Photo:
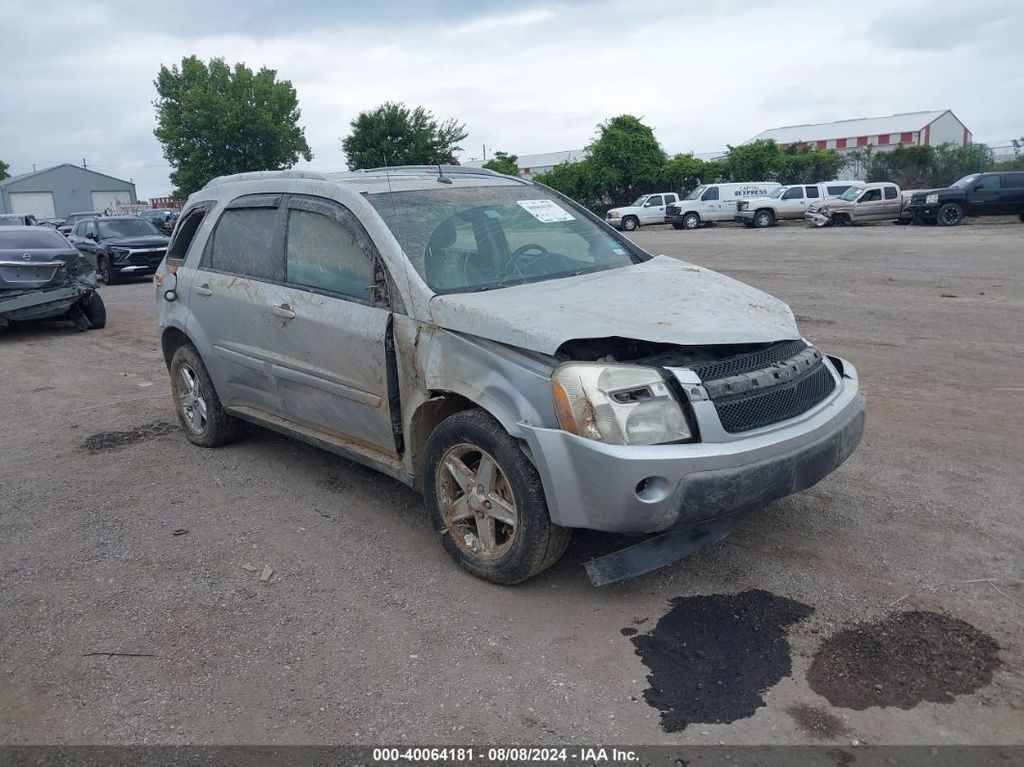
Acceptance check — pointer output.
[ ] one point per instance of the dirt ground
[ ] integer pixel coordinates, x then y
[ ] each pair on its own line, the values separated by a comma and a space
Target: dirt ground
132, 607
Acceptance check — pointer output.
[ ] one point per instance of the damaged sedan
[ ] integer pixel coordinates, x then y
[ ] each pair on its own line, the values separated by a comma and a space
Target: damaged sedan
42, 276
494, 345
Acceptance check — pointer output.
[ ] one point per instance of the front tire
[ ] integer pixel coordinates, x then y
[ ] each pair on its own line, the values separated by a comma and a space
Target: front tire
204, 419
105, 271
485, 499
950, 214
630, 224
763, 219
691, 221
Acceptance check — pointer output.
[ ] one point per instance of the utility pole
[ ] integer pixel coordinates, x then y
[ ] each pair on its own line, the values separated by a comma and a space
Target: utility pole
84, 165
485, 152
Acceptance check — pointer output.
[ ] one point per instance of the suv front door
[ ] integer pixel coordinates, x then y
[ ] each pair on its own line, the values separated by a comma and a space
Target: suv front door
333, 363
792, 204
985, 197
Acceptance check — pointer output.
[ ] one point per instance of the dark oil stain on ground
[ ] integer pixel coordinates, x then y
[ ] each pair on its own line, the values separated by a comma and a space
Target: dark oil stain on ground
817, 722
903, 660
712, 657
111, 440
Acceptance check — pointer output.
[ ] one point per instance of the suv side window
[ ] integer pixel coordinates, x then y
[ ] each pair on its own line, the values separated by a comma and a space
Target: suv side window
987, 183
91, 228
793, 193
710, 194
246, 240
812, 191
328, 249
872, 195
890, 193
837, 190
653, 201
1013, 181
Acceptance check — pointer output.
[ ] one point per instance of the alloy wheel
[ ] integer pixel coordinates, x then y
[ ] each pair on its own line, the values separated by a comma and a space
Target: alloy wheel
192, 399
476, 502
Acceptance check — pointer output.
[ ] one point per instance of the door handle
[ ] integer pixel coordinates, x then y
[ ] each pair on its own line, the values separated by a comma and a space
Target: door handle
283, 311
204, 290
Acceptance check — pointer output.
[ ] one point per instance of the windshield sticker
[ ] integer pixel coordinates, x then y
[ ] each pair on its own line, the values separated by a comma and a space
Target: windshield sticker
545, 211
492, 214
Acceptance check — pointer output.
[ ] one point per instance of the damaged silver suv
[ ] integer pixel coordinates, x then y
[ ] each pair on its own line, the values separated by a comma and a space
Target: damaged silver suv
493, 344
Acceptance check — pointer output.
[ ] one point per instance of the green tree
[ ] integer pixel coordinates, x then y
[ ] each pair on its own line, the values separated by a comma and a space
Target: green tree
764, 160
503, 162
625, 159
684, 172
214, 120
393, 134
4, 170
912, 167
575, 180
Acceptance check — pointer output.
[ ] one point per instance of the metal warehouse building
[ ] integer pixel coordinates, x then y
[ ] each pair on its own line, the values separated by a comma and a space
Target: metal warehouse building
913, 128
55, 192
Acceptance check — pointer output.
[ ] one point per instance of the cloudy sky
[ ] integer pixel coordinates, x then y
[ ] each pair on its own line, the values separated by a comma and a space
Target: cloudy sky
526, 77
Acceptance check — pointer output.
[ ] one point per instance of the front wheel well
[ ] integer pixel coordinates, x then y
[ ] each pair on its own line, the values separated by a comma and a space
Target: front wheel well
441, 405
171, 340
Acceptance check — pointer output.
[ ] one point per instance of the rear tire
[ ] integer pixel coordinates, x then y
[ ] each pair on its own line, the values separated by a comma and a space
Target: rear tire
763, 219
504, 533
94, 310
691, 221
630, 224
950, 214
196, 402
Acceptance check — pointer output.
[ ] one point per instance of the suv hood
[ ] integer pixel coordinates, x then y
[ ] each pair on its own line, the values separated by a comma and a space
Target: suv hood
146, 241
663, 300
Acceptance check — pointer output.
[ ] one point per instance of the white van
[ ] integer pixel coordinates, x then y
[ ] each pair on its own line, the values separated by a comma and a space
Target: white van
714, 202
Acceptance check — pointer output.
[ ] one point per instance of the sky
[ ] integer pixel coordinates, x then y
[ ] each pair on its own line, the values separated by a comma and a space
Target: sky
524, 77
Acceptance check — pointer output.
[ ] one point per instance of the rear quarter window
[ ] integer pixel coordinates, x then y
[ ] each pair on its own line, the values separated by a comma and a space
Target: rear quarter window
1013, 180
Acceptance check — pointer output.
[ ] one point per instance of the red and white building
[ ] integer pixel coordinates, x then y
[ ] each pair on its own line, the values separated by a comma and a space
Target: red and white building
878, 133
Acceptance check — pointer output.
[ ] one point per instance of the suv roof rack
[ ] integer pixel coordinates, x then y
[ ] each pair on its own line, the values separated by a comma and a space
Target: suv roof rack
449, 170
259, 174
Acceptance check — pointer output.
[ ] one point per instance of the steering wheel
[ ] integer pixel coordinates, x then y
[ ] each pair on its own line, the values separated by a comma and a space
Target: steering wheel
522, 250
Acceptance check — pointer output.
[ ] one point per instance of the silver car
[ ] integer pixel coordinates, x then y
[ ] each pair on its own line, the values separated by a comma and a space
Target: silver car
496, 346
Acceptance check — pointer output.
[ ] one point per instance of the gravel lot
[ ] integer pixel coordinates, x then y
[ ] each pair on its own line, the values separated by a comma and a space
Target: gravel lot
367, 633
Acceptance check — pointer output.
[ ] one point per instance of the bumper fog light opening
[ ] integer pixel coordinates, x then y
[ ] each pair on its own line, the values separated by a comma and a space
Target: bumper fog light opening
653, 489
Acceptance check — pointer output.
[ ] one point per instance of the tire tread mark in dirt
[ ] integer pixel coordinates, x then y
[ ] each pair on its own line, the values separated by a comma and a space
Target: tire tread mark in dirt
111, 440
903, 660
712, 657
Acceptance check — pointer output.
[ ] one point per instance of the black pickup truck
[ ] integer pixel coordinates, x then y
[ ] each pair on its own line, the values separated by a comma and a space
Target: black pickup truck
979, 194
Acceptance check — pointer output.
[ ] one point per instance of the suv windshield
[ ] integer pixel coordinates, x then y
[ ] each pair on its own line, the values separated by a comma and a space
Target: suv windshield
479, 238
966, 181
777, 193
638, 202
850, 194
125, 227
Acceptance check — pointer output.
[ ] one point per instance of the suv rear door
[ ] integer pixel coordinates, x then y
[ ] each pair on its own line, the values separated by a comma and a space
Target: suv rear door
985, 197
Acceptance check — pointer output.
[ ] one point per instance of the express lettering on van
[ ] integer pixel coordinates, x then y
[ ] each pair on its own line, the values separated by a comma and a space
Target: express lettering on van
751, 191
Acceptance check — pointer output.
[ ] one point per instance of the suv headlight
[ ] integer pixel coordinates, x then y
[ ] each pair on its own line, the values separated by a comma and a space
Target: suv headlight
931, 199
617, 404
742, 205
119, 254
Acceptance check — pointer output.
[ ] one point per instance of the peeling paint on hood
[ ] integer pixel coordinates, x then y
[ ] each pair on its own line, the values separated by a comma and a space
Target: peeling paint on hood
663, 300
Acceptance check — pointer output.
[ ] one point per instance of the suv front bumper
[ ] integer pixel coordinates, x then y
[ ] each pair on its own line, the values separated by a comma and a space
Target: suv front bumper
653, 488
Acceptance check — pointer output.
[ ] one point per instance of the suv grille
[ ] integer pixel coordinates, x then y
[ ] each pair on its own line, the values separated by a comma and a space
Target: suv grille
745, 363
803, 382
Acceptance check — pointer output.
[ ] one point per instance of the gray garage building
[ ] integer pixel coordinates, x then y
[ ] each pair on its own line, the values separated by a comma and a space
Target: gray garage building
55, 192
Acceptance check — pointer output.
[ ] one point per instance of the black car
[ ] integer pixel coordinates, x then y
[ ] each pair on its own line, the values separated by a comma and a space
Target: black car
74, 218
162, 218
124, 246
43, 277
979, 194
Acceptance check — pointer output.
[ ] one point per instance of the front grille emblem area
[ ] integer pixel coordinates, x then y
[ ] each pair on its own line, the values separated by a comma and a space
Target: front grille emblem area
27, 256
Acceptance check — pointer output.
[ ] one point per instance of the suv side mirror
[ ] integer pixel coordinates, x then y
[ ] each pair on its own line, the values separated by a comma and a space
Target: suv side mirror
91, 236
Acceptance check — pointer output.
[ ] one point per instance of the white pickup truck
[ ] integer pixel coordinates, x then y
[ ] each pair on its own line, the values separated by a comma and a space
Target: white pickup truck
646, 209
788, 202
